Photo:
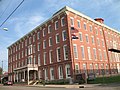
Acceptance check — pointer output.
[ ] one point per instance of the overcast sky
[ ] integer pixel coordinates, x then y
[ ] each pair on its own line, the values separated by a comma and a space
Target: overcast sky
33, 12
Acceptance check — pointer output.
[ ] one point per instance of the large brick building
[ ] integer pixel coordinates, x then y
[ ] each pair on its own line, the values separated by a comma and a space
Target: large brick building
66, 44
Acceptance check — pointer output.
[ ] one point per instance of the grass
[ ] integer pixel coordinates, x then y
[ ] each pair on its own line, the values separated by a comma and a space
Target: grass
106, 80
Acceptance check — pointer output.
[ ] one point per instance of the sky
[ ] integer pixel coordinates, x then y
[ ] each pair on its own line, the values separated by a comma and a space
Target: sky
33, 12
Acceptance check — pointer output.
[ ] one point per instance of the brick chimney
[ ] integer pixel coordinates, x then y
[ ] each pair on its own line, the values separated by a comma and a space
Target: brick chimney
99, 20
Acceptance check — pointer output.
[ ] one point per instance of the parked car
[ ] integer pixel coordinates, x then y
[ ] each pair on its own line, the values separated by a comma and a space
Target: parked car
8, 83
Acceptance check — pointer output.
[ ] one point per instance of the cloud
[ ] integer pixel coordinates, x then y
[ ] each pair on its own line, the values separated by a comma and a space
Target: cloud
23, 25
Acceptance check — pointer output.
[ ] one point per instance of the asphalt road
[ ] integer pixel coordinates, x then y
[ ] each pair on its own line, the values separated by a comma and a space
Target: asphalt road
42, 88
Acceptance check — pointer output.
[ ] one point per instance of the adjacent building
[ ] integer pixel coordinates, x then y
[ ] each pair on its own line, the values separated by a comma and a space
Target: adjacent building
65, 45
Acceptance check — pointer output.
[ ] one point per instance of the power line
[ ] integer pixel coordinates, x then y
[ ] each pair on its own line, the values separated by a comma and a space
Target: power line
12, 13
5, 9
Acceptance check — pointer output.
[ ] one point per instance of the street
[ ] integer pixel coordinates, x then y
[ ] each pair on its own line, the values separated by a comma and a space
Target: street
48, 88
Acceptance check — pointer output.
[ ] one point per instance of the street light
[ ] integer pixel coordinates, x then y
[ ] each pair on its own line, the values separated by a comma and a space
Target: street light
6, 29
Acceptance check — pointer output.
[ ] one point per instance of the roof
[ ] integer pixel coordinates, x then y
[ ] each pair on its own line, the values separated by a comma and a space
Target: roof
66, 8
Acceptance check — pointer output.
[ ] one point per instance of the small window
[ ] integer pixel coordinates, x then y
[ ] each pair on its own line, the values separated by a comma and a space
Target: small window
49, 29
86, 36
80, 35
50, 41
64, 35
72, 21
44, 32
90, 28
78, 23
57, 38
56, 25
85, 27
62, 21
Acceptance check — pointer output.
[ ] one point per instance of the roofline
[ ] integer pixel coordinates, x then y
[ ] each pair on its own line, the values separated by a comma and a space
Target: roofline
66, 8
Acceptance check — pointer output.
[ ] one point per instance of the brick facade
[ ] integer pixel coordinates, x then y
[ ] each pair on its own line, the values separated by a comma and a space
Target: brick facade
49, 52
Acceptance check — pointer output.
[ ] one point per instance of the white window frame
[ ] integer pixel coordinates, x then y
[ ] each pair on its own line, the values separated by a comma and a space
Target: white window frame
65, 46
49, 29
50, 41
72, 21
81, 38
50, 55
83, 52
57, 38
78, 24
58, 58
63, 35
89, 53
62, 22
60, 71
75, 52
56, 26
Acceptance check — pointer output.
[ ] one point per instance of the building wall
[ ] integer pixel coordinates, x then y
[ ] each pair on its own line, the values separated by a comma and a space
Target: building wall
99, 38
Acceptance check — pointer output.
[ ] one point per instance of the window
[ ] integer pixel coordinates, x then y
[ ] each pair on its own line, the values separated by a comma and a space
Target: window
96, 68
78, 23
92, 37
34, 59
46, 74
100, 54
44, 32
58, 54
98, 41
82, 52
49, 29
33, 38
102, 42
38, 35
96, 31
25, 44
85, 27
34, 48
57, 38
62, 21
100, 32
14, 48
26, 52
90, 28
64, 35
38, 46
50, 41
76, 68
89, 53
51, 56
80, 35
67, 68
91, 68
75, 51
45, 58
65, 49
51, 73
39, 59
84, 68
60, 71
105, 56
56, 25
86, 36
29, 40
94, 52
72, 21
22, 54
44, 44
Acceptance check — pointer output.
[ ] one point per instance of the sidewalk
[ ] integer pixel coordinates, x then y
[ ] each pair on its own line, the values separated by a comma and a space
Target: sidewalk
66, 86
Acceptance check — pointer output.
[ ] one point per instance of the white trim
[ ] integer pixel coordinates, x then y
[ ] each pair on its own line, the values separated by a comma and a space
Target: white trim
55, 25
72, 19
65, 52
58, 59
75, 51
61, 21
56, 38
63, 35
